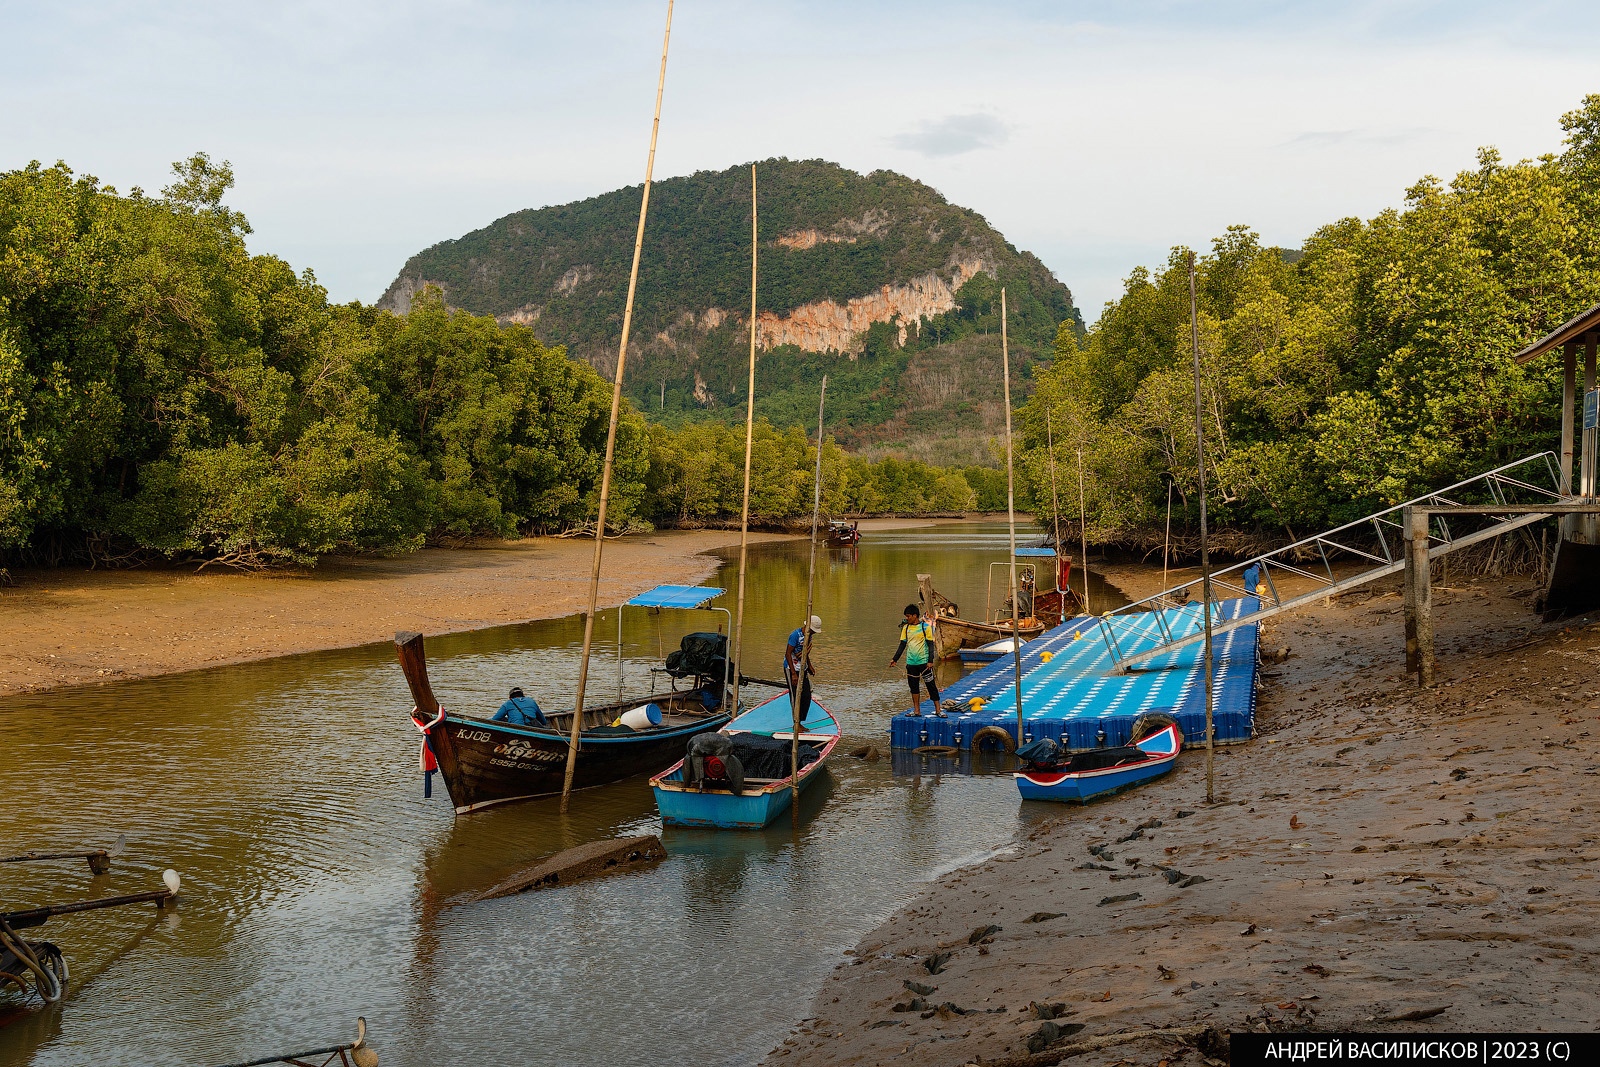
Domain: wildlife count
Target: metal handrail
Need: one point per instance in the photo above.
(1496, 482)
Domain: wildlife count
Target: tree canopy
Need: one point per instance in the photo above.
(1369, 365)
(165, 392)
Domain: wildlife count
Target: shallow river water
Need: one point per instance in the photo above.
(319, 885)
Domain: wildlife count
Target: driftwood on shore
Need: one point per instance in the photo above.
(1052, 1056)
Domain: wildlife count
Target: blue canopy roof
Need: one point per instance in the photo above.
(1036, 551)
(676, 596)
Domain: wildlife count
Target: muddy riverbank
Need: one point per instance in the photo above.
(1380, 858)
(76, 627)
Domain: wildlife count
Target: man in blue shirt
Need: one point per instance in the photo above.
(798, 680)
(521, 710)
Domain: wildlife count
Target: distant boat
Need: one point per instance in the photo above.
(841, 533)
(763, 798)
(484, 762)
(1099, 772)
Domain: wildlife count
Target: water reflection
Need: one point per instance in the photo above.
(320, 886)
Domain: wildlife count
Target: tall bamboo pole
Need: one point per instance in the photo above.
(1083, 532)
(1055, 507)
(749, 437)
(1011, 518)
(611, 431)
(805, 646)
(1166, 546)
(1205, 551)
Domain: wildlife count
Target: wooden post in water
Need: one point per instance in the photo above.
(805, 645)
(749, 437)
(1205, 547)
(1011, 518)
(611, 431)
(1418, 598)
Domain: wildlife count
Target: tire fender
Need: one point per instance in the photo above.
(994, 733)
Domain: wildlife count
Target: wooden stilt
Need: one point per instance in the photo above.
(1418, 597)
(611, 432)
(1569, 399)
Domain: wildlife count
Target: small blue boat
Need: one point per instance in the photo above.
(763, 799)
(1098, 772)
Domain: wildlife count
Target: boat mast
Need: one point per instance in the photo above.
(1011, 518)
(805, 648)
(611, 431)
(1205, 553)
(749, 437)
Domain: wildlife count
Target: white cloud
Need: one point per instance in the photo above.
(953, 135)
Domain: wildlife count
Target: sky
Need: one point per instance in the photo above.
(1097, 136)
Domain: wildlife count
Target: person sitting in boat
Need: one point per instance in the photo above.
(1025, 595)
(799, 682)
(916, 645)
(521, 710)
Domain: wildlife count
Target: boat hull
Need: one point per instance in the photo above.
(721, 809)
(485, 763)
(1078, 787)
(952, 634)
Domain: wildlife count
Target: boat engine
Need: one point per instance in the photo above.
(711, 760)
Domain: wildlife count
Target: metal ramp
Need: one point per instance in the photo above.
(1376, 544)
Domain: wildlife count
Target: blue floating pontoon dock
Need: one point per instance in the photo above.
(1077, 699)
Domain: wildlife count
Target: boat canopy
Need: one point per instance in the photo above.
(676, 596)
(1046, 552)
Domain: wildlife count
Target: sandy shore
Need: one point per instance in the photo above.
(76, 627)
(1376, 855)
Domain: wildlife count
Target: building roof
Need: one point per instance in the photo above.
(1571, 330)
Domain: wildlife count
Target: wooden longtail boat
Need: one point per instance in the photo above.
(484, 762)
(1099, 772)
(762, 799)
(951, 633)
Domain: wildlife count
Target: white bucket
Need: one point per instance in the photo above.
(642, 717)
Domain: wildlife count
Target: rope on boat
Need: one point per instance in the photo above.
(425, 758)
(48, 979)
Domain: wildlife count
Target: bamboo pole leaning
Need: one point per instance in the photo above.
(801, 688)
(1011, 519)
(1083, 532)
(1205, 553)
(1055, 511)
(749, 438)
(611, 430)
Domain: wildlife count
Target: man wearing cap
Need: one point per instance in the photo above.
(794, 652)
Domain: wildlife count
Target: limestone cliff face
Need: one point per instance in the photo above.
(402, 291)
(828, 326)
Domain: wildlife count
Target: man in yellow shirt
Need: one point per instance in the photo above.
(916, 644)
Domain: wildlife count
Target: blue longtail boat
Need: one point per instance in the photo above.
(760, 739)
(1099, 772)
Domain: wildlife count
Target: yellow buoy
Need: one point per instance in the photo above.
(1046, 657)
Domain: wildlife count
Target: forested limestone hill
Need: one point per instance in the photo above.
(874, 279)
